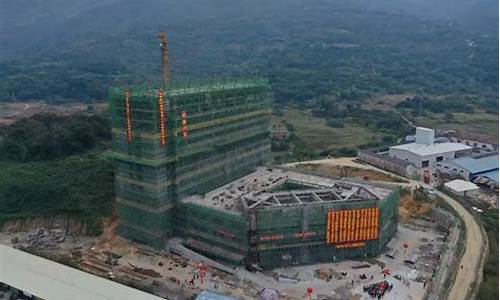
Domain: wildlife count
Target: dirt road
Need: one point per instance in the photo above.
(467, 275)
(342, 161)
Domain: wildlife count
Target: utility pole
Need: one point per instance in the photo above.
(419, 106)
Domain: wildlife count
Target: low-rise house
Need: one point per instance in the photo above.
(483, 146)
(462, 187)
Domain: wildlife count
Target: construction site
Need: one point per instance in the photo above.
(200, 209)
(188, 163)
(414, 272)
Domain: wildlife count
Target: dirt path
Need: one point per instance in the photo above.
(341, 161)
(346, 162)
(466, 276)
(410, 123)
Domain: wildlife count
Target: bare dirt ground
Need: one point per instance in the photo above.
(354, 168)
(340, 161)
(10, 112)
(168, 275)
(351, 285)
(410, 208)
(109, 256)
(385, 102)
(346, 171)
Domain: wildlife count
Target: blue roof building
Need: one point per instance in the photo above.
(493, 175)
(472, 167)
(477, 165)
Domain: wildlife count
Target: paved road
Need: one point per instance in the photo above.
(471, 260)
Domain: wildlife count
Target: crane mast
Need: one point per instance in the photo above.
(164, 57)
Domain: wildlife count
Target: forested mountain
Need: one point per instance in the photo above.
(75, 49)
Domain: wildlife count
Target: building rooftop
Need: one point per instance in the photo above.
(475, 137)
(459, 185)
(478, 164)
(493, 175)
(50, 280)
(281, 187)
(191, 87)
(437, 139)
(431, 149)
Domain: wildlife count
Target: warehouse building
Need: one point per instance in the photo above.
(425, 151)
(471, 167)
(479, 146)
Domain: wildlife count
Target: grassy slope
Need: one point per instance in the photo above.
(315, 133)
(479, 124)
(489, 286)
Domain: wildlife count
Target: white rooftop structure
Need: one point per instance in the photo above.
(431, 149)
(425, 151)
(461, 186)
(50, 280)
(424, 136)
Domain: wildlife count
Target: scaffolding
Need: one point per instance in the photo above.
(283, 235)
(187, 139)
(220, 235)
(299, 234)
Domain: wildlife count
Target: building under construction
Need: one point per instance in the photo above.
(188, 164)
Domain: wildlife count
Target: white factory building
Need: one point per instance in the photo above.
(425, 152)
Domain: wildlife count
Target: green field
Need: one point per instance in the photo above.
(318, 135)
(479, 125)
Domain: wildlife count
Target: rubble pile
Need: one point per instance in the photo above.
(40, 239)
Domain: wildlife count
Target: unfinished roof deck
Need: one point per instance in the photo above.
(271, 187)
(196, 87)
